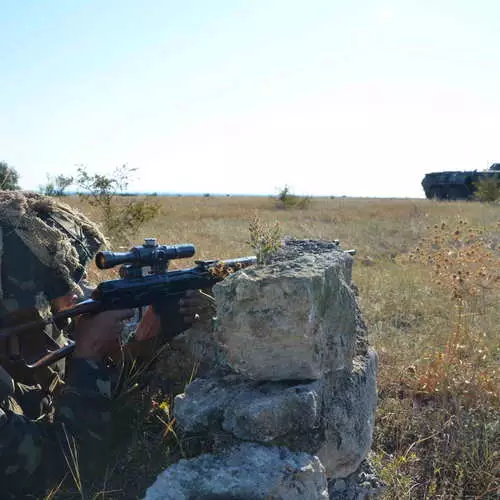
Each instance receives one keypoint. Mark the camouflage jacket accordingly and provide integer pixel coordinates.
(41, 440)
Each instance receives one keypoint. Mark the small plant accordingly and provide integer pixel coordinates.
(395, 473)
(488, 189)
(286, 199)
(265, 239)
(121, 219)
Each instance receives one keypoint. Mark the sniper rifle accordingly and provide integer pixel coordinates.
(144, 280)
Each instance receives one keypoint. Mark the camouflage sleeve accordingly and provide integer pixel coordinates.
(36, 454)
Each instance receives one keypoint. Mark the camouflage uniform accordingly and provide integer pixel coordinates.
(44, 248)
(34, 448)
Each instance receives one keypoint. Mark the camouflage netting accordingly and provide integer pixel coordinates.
(44, 248)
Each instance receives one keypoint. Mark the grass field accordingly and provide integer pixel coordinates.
(429, 288)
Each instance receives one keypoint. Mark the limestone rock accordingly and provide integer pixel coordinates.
(362, 484)
(248, 410)
(349, 407)
(291, 320)
(293, 248)
(245, 472)
(270, 412)
(332, 417)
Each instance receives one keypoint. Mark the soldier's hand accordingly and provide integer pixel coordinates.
(149, 326)
(98, 336)
(194, 306)
(197, 306)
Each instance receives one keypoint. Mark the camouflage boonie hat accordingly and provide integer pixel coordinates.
(44, 248)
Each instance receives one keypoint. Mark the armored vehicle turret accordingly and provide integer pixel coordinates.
(458, 185)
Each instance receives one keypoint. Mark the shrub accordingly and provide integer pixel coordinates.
(438, 416)
(286, 199)
(9, 177)
(488, 189)
(121, 219)
(462, 263)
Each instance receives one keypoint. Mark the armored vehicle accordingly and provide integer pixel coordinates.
(456, 185)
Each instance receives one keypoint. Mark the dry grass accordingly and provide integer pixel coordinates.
(431, 300)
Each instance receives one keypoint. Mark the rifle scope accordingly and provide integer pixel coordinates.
(147, 255)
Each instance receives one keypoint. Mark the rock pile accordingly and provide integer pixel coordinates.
(288, 399)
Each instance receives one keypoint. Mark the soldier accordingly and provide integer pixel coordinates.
(46, 414)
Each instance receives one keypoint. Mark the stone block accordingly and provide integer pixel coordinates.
(291, 320)
(246, 472)
(332, 417)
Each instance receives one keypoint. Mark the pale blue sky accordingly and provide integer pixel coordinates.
(356, 98)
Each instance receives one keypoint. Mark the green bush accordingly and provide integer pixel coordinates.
(121, 219)
(488, 189)
(286, 199)
(9, 177)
